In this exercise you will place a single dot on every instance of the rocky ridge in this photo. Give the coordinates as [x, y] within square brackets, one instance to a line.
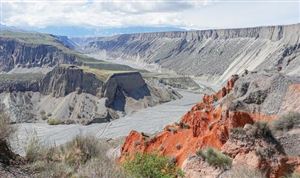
[212, 123]
[16, 53]
[210, 54]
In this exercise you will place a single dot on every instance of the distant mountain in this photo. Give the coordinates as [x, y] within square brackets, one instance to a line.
[78, 31]
[210, 54]
[9, 28]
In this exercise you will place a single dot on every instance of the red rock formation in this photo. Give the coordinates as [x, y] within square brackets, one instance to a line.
[207, 124]
[204, 125]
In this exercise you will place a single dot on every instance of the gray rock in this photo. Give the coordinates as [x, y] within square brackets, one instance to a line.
[216, 54]
[14, 53]
[63, 80]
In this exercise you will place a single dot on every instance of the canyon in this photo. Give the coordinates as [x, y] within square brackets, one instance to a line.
[145, 89]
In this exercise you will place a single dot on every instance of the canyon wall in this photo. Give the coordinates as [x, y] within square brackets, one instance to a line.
[211, 54]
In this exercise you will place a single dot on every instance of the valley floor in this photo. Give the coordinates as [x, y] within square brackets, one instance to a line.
[149, 120]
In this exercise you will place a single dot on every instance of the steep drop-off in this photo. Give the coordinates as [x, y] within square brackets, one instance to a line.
[212, 54]
[14, 53]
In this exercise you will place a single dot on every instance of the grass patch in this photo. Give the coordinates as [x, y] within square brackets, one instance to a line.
[286, 122]
[34, 149]
[244, 172]
[6, 129]
[215, 158]
[53, 121]
[84, 156]
[151, 165]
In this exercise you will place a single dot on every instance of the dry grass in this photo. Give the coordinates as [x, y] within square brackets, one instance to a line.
[286, 122]
[243, 172]
[6, 129]
[84, 156]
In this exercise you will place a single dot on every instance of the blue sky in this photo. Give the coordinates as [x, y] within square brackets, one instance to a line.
[103, 17]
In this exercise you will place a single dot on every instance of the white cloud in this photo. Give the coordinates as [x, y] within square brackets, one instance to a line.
[117, 13]
[95, 13]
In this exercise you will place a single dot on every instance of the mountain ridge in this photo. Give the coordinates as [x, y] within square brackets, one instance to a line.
[210, 54]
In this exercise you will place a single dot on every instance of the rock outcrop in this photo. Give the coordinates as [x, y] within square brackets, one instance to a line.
[63, 80]
[209, 124]
[213, 54]
[15, 53]
[74, 95]
[254, 146]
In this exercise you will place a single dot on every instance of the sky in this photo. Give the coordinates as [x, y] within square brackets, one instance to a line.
[104, 17]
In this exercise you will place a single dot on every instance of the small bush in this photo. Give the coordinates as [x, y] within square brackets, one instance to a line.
[44, 117]
[262, 130]
[286, 122]
[152, 166]
[6, 129]
[243, 172]
[100, 168]
[84, 156]
[53, 121]
[215, 158]
[80, 150]
[184, 125]
[42, 113]
[34, 149]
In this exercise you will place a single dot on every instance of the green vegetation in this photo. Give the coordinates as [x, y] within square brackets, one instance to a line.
[152, 166]
[286, 122]
[53, 121]
[215, 158]
[84, 156]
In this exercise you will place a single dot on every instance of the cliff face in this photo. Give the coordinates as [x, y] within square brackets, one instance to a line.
[217, 53]
[210, 123]
[73, 95]
[14, 53]
[63, 80]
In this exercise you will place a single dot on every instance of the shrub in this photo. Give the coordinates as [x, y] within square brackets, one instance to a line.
[6, 129]
[34, 149]
[53, 121]
[293, 175]
[286, 122]
[84, 156]
[215, 158]
[42, 112]
[261, 129]
[100, 168]
[80, 150]
[151, 165]
[44, 117]
[243, 172]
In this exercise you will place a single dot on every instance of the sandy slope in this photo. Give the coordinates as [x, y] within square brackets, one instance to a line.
[149, 120]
